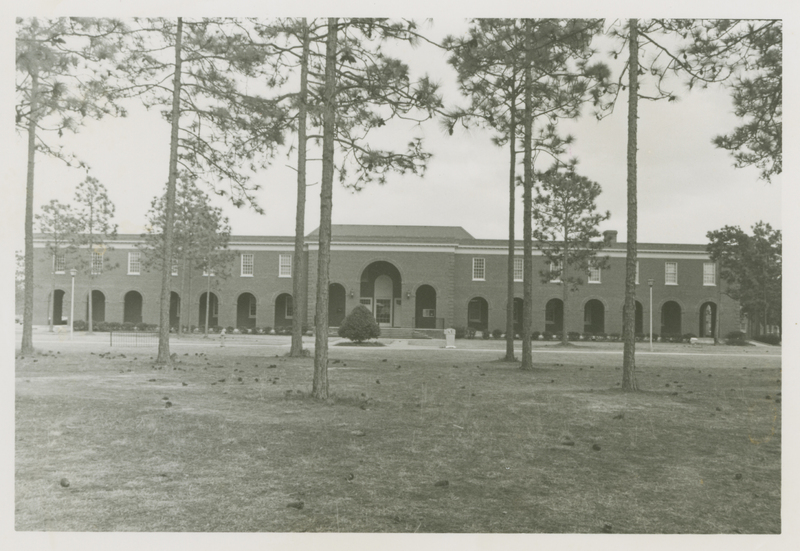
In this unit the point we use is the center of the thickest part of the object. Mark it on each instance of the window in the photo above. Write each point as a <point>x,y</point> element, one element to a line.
<point>637,273</point>
<point>555,272</point>
<point>289,308</point>
<point>594,274</point>
<point>97,263</point>
<point>709,273</point>
<point>518,269</point>
<point>59,263</point>
<point>247,265</point>
<point>252,307</point>
<point>285,265</point>
<point>671,273</point>
<point>478,269</point>
<point>174,269</point>
<point>134,266</point>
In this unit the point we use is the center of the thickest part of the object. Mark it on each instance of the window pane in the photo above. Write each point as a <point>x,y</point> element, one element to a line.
<point>285,265</point>
<point>709,273</point>
<point>671,273</point>
<point>247,264</point>
<point>518,269</point>
<point>478,269</point>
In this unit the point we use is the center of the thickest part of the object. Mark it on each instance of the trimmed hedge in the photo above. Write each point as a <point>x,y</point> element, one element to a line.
<point>359,325</point>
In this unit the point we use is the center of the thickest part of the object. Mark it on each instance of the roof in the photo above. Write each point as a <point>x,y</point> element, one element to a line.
<point>355,232</point>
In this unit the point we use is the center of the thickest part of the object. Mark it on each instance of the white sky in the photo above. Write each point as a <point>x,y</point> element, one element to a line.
<point>687,187</point>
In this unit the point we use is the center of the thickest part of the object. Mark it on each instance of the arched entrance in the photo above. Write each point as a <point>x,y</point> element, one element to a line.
<point>594,317</point>
<point>213,311</point>
<point>284,311</point>
<point>58,308</point>
<point>246,310</point>
<point>519,305</point>
<point>381,291</point>
<point>337,302</point>
<point>671,318</point>
<point>708,320</point>
<point>174,310</point>
<point>98,307</point>
<point>478,314</point>
<point>132,311</point>
<point>425,307</point>
<point>554,315</point>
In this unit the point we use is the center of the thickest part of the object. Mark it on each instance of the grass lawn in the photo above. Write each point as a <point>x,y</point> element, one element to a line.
<point>413,441</point>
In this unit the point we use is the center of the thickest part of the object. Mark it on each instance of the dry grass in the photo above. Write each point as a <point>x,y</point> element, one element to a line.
<point>516,448</point>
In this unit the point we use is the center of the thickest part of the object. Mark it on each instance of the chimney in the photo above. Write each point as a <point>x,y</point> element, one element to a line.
<point>610,237</point>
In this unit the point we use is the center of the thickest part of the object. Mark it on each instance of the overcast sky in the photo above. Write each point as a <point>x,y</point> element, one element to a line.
<point>687,187</point>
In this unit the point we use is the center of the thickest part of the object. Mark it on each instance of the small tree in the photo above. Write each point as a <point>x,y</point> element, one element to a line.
<point>360,325</point>
<point>94,212</point>
<point>751,265</point>
<point>58,225</point>
<point>564,212</point>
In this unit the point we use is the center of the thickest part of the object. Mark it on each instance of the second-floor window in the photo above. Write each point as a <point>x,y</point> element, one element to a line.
<point>671,273</point>
<point>248,264</point>
<point>594,274</point>
<point>518,269</point>
<point>478,269</point>
<point>285,265</point>
<point>59,263</point>
<point>709,273</point>
<point>134,265</point>
<point>97,263</point>
<point>555,272</point>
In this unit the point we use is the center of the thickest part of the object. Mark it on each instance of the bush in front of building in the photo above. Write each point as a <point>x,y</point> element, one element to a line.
<point>359,325</point>
<point>736,338</point>
<point>497,333</point>
<point>770,338</point>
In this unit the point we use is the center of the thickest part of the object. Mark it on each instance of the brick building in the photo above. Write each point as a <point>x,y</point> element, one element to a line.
<point>427,277</point>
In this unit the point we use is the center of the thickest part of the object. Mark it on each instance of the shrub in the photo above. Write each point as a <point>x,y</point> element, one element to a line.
<point>573,336</point>
<point>601,336</point>
<point>547,335</point>
<point>359,325</point>
<point>485,334</point>
<point>497,333</point>
<point>267,329</point>
<point>614,337</point>
<point>229,329</point>
<point>244,330</point>
<point>769,338</point>
<point>557,335</point>
<point>687,337</point>
<point>736,338</point>
<point>535,335</point>
<point>79,325</point>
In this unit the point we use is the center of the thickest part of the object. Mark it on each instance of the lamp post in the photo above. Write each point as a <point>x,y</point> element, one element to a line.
<point>72,272</point>
<point>650,284</point>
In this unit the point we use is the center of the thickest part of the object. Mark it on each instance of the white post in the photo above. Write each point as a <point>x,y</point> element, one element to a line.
<point>650,284</point>
<point>72,272</point>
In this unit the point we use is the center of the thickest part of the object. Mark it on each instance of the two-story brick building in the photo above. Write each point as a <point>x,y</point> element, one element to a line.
<point>427,277</point>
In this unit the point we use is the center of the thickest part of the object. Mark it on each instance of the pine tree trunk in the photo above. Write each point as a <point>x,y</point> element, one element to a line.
<point>512,199</point>
<point>527,235</point>
<point>629,309</point>
<point>564,295</point>
<point>320,384</point>
<point>166,265</point>
<point>299,289</point>
<point>27,316</point>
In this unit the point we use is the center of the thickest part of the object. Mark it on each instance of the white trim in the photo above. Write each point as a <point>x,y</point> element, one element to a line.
<point>666,273</point>
<point>599,275</point>
<point>284,270</point>
<point>713,274</point>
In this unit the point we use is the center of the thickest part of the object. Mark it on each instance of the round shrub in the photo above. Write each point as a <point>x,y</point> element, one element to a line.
<point>736,338</point>
<point>497,333</point>
<point>769,338</point>
<point>359,325</point>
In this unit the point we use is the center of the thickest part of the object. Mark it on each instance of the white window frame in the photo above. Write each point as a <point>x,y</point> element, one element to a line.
<point>174,269</point>
<point>595,271</point>
<point>59,261</point>
<point>709,274</point>
<point>519,269</point>
<point>670,278</point>
<point>285,265</point>
<point>555,267</point>
<point>97,263</point>
<point>206,274</point>
<point>134,259</point>
<point>248,268</point>
<point>479,269</point>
